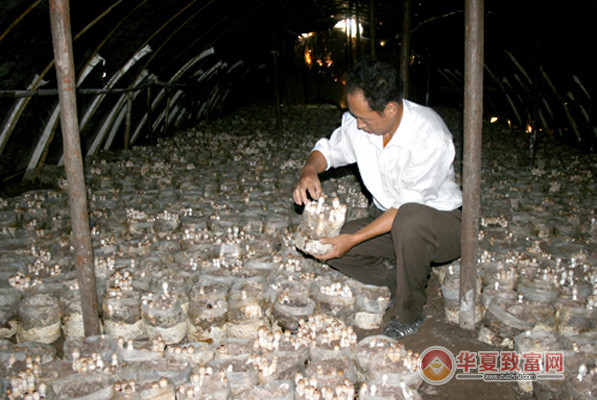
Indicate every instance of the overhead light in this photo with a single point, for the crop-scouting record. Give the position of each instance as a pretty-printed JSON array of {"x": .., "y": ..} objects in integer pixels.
[
  {"x": 343, "y": 24},
  {"x": 305, "y": 35},
  {"x": 308, "y": 59}
]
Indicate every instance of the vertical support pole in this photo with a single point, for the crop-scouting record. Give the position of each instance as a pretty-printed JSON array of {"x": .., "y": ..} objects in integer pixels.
[
  {"x": 207, "y": 107},
  {"x": 149, "y": 125},
  {"x": 358, "y": 33},
  {"x": 127, "y": 123},
  {"x": 285, "y": 79},
  {"x": 405, "y": 46},
  {"x": 275, "y": 72},
  {"x": 428, "y": 80},
  {"x": 81, "y": 235},
  {"x": 167, "y": 110},
  {"x": 349, "y": 37},
  {"x": 592, "y": 122},
  {"x": 372, "y": 43},
  {"x": 534, "y": 121},
  {"x": 277, "y": 90},
  {"x": 536, "y": 87},
  {"x": 473, "y": 124}
]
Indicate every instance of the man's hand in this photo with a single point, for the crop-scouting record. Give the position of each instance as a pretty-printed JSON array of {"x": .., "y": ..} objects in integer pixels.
[
  {"x": 309, "y": 179},
  {"x": 342, "y": 243},
  {"x": 346, "y": 241},
  {"x": 308, "y": 182}
]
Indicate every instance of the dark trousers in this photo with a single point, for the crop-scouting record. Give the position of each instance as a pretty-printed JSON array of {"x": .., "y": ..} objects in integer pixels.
[{"x": 402, "y": 259}]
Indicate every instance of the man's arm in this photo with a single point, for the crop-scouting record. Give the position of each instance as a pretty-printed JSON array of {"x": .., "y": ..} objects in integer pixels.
[
  {"x": 309, "y": 178},
  {"x": 343, "y": 243}
]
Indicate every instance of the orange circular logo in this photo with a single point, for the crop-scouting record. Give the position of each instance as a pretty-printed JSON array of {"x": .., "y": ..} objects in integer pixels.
[{"x": 437, "y": 365}]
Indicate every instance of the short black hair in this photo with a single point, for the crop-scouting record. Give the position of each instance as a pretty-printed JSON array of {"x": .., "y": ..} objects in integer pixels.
[{"x": 378, "y": 80}]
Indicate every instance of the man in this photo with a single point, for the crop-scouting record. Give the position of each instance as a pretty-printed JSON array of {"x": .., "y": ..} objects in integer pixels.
[{"x": 404, "y": 153}]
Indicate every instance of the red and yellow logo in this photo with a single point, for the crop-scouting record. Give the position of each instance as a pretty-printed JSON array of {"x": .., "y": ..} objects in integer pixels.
[{"x": 437, "y": 365}]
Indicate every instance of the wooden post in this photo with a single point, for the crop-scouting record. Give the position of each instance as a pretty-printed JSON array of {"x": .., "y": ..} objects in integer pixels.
[
  {"x": 536, "y": 87},
  {"x": 81, "y": 235},
  {"x": 358, "y": 33},
  {"x": 349, "y": 57},
  {"x": 372, "y": 44},
  {"x": 275, "y": 76},
  {"x": 167, "y": 110},
  {"x": 277, "y": 92},
  {"x": 405, "y": 46},
  {"x": 428, "y": 80},
  {"x": 127, "y": 123},
  {"x": 473, "y": 124},
  {"x": 149, "y": 127}
]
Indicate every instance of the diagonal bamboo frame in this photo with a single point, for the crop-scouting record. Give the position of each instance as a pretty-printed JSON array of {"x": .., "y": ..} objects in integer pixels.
[
  {"x": 21, "y": 104},
  {"x": 115, "y": 78},
  {"x": 179, "y": 73},
  {"x": 49, "y": 131},
  {"x": 124, "y": 112},
  {"x": 19, "y": 19},
  {"x": 41, "y": 149},
  {"x": 108, "y": 121},
  {"x": 160, "y": 95},
  {"x": 99, "y": 136}
]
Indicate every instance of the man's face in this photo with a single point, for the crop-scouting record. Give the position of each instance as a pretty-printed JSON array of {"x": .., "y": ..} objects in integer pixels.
[{"x": 368, "y": 120}]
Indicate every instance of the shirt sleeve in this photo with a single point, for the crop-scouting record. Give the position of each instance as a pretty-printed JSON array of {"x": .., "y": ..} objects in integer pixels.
[{"x": 338, "y": 150}]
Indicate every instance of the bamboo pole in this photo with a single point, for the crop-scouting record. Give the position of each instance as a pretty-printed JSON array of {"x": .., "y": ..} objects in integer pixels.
[
  {"x": 277, "y": 92},
  {"x": 275, "y": 76},
  {"x": 372, "y": 44},
  {"x": 349, "y": 55},
  {"x": 536, "y": 89},
  {"x": 81, "y": 235},
  {"x": 18, "y": 94},
  {"x": 20, "y": 106},
  {"x": 38, "y": 158},
  {"x": 167, "y": 110},
  {"x": 405, "y": 46},
  {"x": 127, "y": 124},
  {"x": 19, "y": 19},
  {"x": 473, "y": 123},
  {"x": 149, "y": 133},
  {"x": 358, "y": 33},
  {"x": 105, "y": 134}
]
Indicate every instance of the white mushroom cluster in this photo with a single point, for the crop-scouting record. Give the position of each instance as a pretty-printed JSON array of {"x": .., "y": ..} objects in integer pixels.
[
  {"x": 537, "y": 262},
  {"x": 189, "y": 248},
  {"x": 320, "y": 220},
  {"x": 209, "y": 212}
]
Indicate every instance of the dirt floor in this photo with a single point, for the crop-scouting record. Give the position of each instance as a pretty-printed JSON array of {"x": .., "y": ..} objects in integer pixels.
[{"x": 437, "y": 331}]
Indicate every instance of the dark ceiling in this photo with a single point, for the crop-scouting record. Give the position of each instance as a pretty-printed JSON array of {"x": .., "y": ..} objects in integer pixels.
[
  {"x": 184, "y": 27},
  {"x": 535, "y": 50}
]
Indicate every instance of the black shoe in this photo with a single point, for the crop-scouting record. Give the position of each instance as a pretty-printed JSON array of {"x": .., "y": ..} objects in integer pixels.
[{"x": 397, "y": 330}]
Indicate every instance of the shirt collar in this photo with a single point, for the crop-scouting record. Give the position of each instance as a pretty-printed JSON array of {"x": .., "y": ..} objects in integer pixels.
[
  {"x": 401, "y": 135},
  {"x": 377, "y": 140}
]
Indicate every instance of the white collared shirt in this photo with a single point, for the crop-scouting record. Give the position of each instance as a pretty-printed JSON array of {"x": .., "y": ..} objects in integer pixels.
[{"x": 415, "y": 166}]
